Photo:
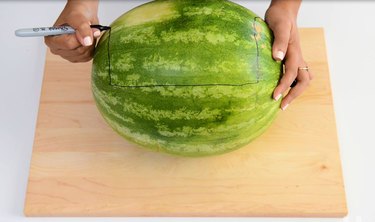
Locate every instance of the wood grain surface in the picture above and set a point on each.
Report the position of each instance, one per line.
(80, 167)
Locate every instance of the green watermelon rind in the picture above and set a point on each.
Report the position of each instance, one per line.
(188, 118)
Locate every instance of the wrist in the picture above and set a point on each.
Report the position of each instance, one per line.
(291, 7)
(91, 5)
(87, 8)
(88, 2)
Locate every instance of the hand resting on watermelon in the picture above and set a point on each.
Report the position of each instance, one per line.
(281, 17)
(79, 47)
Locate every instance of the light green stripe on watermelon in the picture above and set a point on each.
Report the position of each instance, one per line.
(187, 77)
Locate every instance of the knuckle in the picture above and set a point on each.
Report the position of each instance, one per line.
(53, 51)
(291, 65)
(81, 50)
(90, 53)
(306, 77)
(84, 27)
(70, 44)
(78, 59)
(67, 58)
(47, 41)
(86, 59)
(71, 59)
(283, 23)
(296, 93)
(290, 76)
(74, 61)
(307, 83)
(284, 82)
(291, 96)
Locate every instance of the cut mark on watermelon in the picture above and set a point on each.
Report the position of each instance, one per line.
(109, 56)
(257, 28)
(256, 34)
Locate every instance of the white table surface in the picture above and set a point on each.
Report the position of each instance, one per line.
(350, 37)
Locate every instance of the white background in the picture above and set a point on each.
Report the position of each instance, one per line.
(350, 36)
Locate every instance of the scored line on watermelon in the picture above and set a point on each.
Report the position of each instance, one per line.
(258, 73)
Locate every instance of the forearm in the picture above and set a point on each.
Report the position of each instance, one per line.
(86, 6)
(88, 2)
(290, 6)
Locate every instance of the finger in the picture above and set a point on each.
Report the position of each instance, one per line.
(84, 32)
(96, 33)
(291, 69)
(62, 42)
(81, 57)
(66, 42)
(67, 52)
(77, 59)
(281, 33)
(303, 82)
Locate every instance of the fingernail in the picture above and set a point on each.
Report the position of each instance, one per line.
(278, 97)
(285, 107)
(87, 41)
(97, 33)
(280, 55)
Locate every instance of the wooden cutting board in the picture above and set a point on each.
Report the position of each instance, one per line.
(80, 167)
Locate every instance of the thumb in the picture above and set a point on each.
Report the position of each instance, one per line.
(84, 33)
(281, 40)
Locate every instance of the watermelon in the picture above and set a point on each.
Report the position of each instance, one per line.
(187, 77)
